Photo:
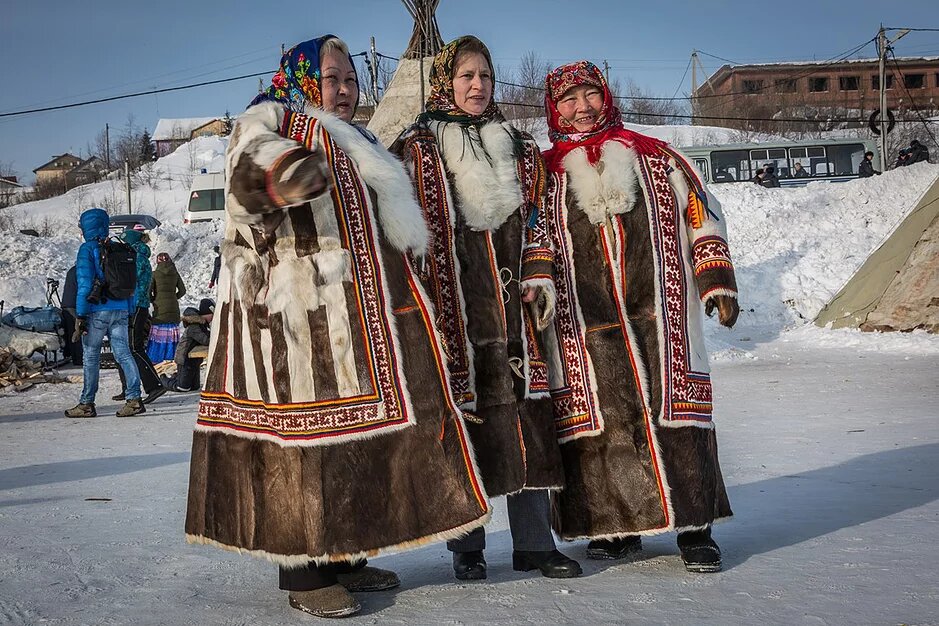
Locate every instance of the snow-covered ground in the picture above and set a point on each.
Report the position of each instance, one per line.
(830, 454)
(829, 446)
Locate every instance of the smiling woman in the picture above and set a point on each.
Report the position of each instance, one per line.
(326, 410)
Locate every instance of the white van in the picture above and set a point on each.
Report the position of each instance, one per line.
(206, 198)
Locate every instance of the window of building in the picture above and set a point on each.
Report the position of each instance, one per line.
(786, 85)
(875, 82)
(849, 83)
(914, 81)
(818, 84)
(752, 85)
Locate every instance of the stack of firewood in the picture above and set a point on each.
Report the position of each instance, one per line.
(20, 374)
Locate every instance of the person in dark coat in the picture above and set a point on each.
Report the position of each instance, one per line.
(196, 326)
(73, 349)
(903, 157)
(218, 267)
(866, 168)
(799, 171)
(98, 317)
(166, 289)
(770, 179)
(140, 321)
(918, 153)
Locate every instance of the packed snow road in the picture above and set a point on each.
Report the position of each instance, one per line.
(831, 456)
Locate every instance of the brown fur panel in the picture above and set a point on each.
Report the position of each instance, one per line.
(544, 468)
(498, 445)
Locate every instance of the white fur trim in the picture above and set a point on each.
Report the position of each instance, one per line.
(646, 533)
(720, 291)
(301, 560)
(485, 171)
(401, 218)
(609, 187)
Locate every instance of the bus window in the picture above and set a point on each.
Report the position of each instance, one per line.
(730, 165)
(702, 165)
(844, 160)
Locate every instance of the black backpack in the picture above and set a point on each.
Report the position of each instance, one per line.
(119, 265)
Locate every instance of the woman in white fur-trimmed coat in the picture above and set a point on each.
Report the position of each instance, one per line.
(326, 428)
(640, 249)
(489, 271)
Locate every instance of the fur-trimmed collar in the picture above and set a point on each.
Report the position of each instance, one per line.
(484, 168)
(609, 187)
(401, 218)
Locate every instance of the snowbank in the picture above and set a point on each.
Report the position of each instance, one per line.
(794, 248)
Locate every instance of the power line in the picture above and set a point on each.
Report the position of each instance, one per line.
(682, 81)
(831, 120)
(135, 95)
(907, 90)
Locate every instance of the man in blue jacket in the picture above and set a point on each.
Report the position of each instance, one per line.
(106, 318)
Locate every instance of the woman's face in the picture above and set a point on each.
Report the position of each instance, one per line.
(581, 106)
(338, 85)
(472, 83)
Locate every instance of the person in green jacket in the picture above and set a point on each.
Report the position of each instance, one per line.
(166, 289)
(140, 323)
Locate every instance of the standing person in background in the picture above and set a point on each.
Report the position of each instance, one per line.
(866, 168)
(218, 267)
(918, 153)
(140, 320)
(69, 294)
(166, 289)
(100, 317)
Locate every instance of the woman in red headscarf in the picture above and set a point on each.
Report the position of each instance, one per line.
(640, 250)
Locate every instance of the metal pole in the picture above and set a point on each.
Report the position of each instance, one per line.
(694, 82)
(882, 54)
(374, 72)
(107, 146)
(127, 181)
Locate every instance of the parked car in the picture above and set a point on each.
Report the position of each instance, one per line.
(120, 223)
(206, 198)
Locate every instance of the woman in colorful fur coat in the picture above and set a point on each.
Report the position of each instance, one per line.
(326, 430)
(481, 185)
(640, 246)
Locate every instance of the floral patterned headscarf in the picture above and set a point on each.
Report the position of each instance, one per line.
(609, 124)
(297, 83)
(441, 104)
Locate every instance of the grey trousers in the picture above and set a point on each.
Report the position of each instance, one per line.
(529, 521)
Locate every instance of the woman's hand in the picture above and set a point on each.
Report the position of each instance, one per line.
(727, 309)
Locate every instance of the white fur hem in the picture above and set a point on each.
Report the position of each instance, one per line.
(720, 291)
(300, 560)
(645, 533)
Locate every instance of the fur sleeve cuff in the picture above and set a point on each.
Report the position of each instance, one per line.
(537, 263)
(719, 291)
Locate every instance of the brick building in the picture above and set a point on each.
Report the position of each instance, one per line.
(808, 89)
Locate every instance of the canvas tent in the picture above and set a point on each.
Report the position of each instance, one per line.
(897, 288)
(404, 98)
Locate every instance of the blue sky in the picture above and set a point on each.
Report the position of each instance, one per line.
(56, 52)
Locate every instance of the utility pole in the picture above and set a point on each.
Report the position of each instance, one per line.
(694, 82)
(374, 72)
(882, 55)
(127, 181)
(606, 71)
(107, 146)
